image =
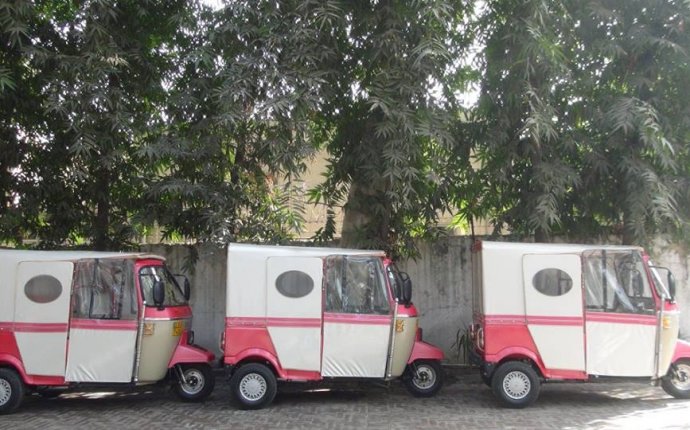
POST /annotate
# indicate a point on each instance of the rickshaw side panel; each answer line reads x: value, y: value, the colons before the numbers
x: 98, y: 347
x: 620, y: 344
x: 368, y: 331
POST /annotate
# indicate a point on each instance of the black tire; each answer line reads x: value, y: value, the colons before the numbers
x: 516, y: 384
x: 677, y: 383
x: 11, y: 391
x: 199, y: 382
x: 253, y: 386
x: 423, y: 378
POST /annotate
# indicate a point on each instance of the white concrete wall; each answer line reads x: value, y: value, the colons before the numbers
x: 442, y: 288
x: 207, y: 280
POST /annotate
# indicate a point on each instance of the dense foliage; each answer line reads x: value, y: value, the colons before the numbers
x: 118, y: 118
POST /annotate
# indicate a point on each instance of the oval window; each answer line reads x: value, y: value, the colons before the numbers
x: 552, y: 282
x: 43, y: 289
x: 294, y: 284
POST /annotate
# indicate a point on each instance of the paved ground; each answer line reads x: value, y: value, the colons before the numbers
x: 463, y: 403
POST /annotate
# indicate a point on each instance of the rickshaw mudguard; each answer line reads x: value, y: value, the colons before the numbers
x: 262, y: 354
x: 12, y: 361
x: 682, y: 350
x: 516, y: 352
x: 9, y: 354
x: 424, y: 351
x: 185, y: 353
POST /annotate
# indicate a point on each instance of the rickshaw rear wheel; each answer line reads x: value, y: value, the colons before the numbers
x: 423, y: 378
x: 677, y: 381
x: 198, y: 384
x: 11, y: 391
x: 253, y: 386
x: 516, y: 384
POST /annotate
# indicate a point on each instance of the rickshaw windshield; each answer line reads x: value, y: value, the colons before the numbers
x: 173, y: 293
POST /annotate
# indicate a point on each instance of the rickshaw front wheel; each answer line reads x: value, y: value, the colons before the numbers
x: 423, y: 378
x: 198, y: 382
x: 677, y: 381
x: 11, y: 391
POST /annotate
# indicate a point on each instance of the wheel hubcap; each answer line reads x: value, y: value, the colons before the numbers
x: 194, y: 381
x: 5, y: 391
x: 253, y: 387
x: 424, y: 377
x: 516, y: 385
x: 681, y: 377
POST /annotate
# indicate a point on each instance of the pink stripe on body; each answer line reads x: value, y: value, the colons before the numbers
x: 89, y: 324
x: 34, y: 327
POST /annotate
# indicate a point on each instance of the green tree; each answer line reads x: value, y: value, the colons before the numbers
x: 239, y: 124
x: 632, y: 67
x: 93, y: 74
x: 525, y: 144
x: 388, y: 112
x: 582, y: 115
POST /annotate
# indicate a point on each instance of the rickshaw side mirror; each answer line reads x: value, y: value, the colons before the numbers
x: 186, y: 287
x: 406, y: 293
x: 671, y: 285
x: 158, y: 294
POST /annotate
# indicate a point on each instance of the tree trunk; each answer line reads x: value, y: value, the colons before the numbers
x: 102, y: 222
x: 362, y: 227
x: 628, y: 229
x: 541, y: 236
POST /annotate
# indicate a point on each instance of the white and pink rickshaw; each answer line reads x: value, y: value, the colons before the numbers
x: 77, y: 320
x: 320, y: 314
x: 550, y: 312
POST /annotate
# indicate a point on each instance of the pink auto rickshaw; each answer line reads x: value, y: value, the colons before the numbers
x: 320, y: 314
x: 558, y: 312
x: 76, y: 320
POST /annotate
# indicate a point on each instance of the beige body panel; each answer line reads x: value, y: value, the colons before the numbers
x: 158, y: 343
x: 404, y: 333
x: 670, y: 325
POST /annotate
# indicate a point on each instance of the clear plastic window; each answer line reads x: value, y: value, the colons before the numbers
x: 356, y: 285
x: 616, y: 281
x: 104, y: 289
x: 173, y: 293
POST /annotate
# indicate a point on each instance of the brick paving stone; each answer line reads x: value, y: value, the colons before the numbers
x: 464, y: 402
